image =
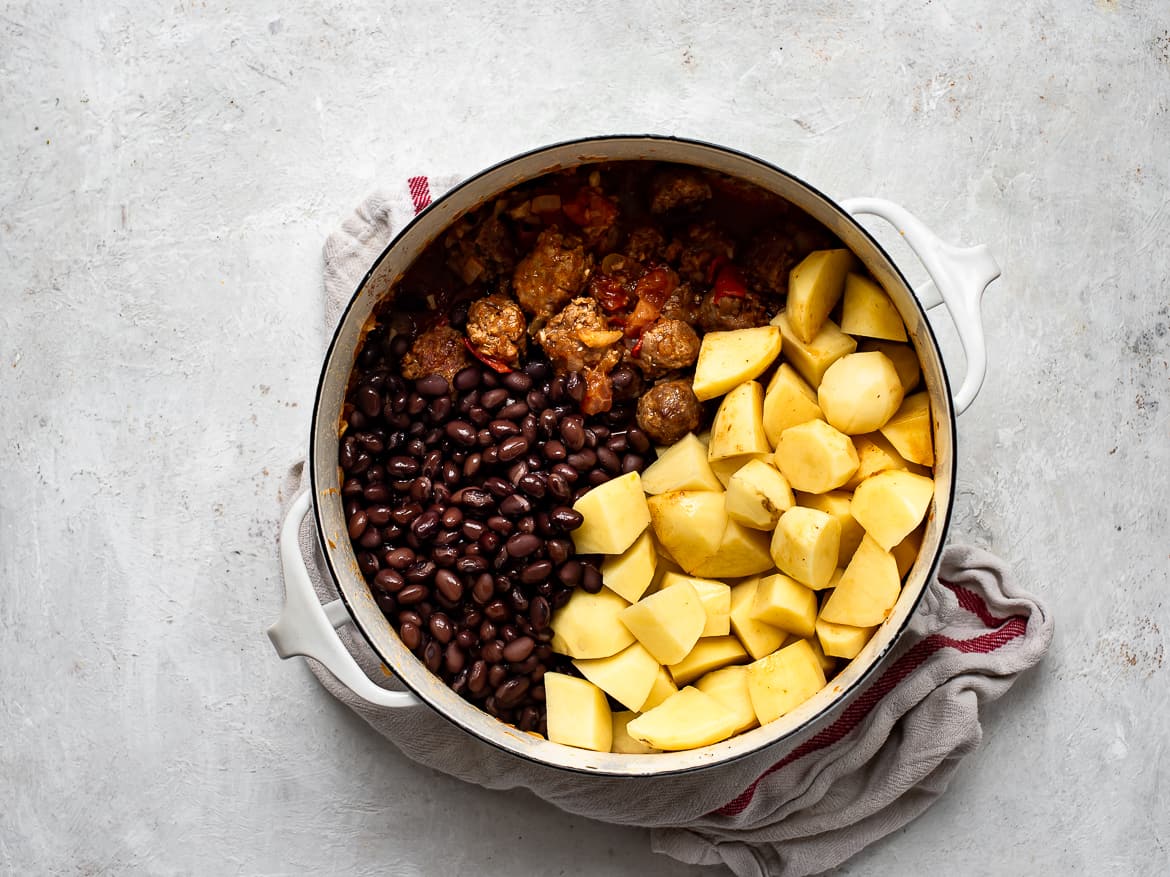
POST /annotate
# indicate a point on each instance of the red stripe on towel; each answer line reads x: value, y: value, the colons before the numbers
x: 420, y: 192
x: 1004, y: 631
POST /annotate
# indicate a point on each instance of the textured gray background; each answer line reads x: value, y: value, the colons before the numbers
x: 169, y: 172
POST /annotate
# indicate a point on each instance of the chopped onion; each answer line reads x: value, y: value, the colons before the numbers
x: 546, y: 203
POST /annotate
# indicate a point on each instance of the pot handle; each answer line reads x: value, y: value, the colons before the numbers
x: 306, y: 627
x: 958, y: 278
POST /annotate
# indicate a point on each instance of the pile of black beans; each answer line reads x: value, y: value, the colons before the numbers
x: 458, y: 497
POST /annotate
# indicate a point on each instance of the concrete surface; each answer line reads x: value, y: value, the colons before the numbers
x: 169, y: 172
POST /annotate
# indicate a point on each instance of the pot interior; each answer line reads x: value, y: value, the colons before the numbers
x: 340, y: 359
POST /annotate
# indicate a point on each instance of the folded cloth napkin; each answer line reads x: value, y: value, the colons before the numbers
x: 798, y: 808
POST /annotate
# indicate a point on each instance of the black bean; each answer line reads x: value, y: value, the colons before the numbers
x: 432, y: 462
x: 357, y: 524
x: 537, y: 370
x: 466, y: 639
x: 597, y: 477
x: 487, y: 631
x: 489, y: 541
x: 558, y: 485
x: 433, y: 656
x: 402, y: 467
x: 570, y: 573
x: 483, y: 589
x: 352, y: 488
x: 473, y: 497
x: 583, y: 460
x: 591, y: 439
x: 412, y: 594
x: 548, y: 421
x: 410, y: 635
x: 467, y: 379
x: 575, y: 386
x: 469, y: 565
x: 369, y: 400
x: 452, y: 518
x: 609, y: 461
x: 491, y: 456
x: 409, y: 616
x: 376, y: 492
x: 523, y: 544
x: 432, y: 385
x: 479, y: 417
x: 497, y: 486
x: 501, y: 525
x: 533, y: 484
x: 483, y: 438
x: 515, y: 505
x: 371, y: 538
x: 368, y: 563
x: 536, y: 400
x: 461, y: 432
x: 539, y: 612
x: 573, y: 432
x: 493, y: 398
x: 639, y: 441
x: 472, y: 464
x: 449, y: 585
x: 503, y: 428
x: 421, y: 489
x: 440, y: 410
x: 632, y: 463
x: 590, y: 578
x: 425, y: 526
x: 512, y: 692
x: 514, y: 411
x: 388, y: 580
x: 517, y: 382
x: 511, y: 448
x: 535, y: 572
x: 496, y: 677
x: 450, y: 473
x: 422, y: 571
x: 473, y: 529
x: 399, y: 558
x: 371, y: 442
x: 560, y: 598
x: 416, y: 404
x: 441, y: 628
x: 453, y: 660
x: 477, y: 678
x: 497, y: 611
x: 445, y: 555
x: 529, y: 718
x: 565, y: 518
x: 528, y: 429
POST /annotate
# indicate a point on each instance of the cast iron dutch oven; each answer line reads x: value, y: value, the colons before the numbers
x: 959, y: 277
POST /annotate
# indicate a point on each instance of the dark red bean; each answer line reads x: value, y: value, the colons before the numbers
x: 522, y: 544
x: 570, y: 573
x: 573, y: 432
x: 461, y: 432
x: 503, y: 428
x: 501, y: 525
x: 533, y: 484
x: 432, y: 385
x: 487, y: 631
x: 425, y: 526
x: 515, y: 505
x: 493, y: 398
x: 466, y: 639
x: 441, y: 628
x: 388, y: 580
x: 590, y: 578
x: 466, y: 379
x: 357, y: 524
x: 514, y: 411
x: 453, y: 659
x: 567, y: 472
x: 369, y: 400
x: 472, y: 497
x: 539, y: 613
x: 368, y: 563
x: 450, y: 473
x: 535, y: 572
x: 491, y: 455
x: 597, y: 477
x: 493, y: 651
x: 412, y: 594
x: 419, y: 572
x: 433, y: 656
x: 477, y: 678
x: 517, y: 382
x: 445, y: 555
x: 410, y: 635
x: 472, y: 464
x: 409, y: 616
x: 470, y: 565
x: 497, y: 487
x: 484, y: 589
x: 518, y: 470
x: 511, y: 448
x: 496, y: 610
x: 421, y: 489
x: 526, y: 524
x: 489, y: 542
x: 558, y: 486
x: 449, y: 585
x: 473, y: 529
x: 399, y: 558
x: 512, y: 692
x: 565, y: 518
x: 452, y: 518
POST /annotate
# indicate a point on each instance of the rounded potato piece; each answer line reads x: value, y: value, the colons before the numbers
x: 860, y: 392
x: 686, y: 720
x: 890, y: 504
x: 814, y: 457
x: 727, y: 359
x: 805, y: 546
x: 588, y: 626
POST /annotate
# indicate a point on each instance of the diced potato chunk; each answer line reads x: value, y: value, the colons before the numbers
x: 738, y: 427
x: 814, y: 457
x: 785, y: 603
x: 890, y: 504
x: 811, y: 359
x: 783, y: 680
x: 629, y: 574
x: 906, y: 551
x: 867, y: 310
x: 868, y: 590
x: 757, y: 494
x: 615, y: 515
x: 622, y: 741
x: 663, y: 688
x: 903, y: 357
x: 689, y: 524
x: 842, y: 640
x: 588, y: 626
x: 627, y: 677
x: 686, y: 720
x: 806, y: 544
x: 910, y: 430
x: 727, y: 359
x: 839, y: 504
x: 709, y: 653
x: 729, y: 686
x: 788, y: 400
x: 682, y: 466
x: 578, y: 713
x: 874, y: 454
x: 741, y: 552
x: 724, y: 469
x: 757, y: 637
x: 828, y: 663
x: 668, y: 623
x: 860, y: 392
x: 716, y: 600
x: 814, y: 288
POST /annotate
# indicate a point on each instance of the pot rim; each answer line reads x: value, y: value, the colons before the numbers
x: 846, y: 695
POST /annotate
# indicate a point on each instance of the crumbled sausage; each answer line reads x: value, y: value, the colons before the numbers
x: 667, y: 345
x: 669, y: 411
x: 678, y: 187
x: 683, y: 304
x: 551, y: 274
x: 731, y: 312
x: 496, y: 329
x: 646, y: 244
x: 701, y: 244
x: 437, y: 351
x: 580, y: 336
x: 769, y: 258
x: 484, y: 251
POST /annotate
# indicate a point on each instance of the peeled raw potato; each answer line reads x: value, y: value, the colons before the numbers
x: 788, y: 400
x: 682, y: 466
x: 874, y: 454
x: 622, y: 741
x: 903, y: 357
x: 783, y: 680
x: 663, y: 688
x: 910, y: 431
x: 827, y: 663
x: 890, y: 504
x: 686, y: 720
x: 785, y: 603
x: 842, y: 640
x: 757, y: 494
x: 860, y: 392
x: 727, y: 359
x: 715, y: 597
x: 629, y: 574
x: 814, y: 288
x: 724, y: 469
x: 689, y: 524
x: 615, y: 515
x: 627, y: 677
x: 757, y: 637
x: 814, y: 457
x: 805, y: 546
x: 709, y: 653
x: 837, y: 503
x: 741, y: 552
x: 668, y: 623
x: 867, y: 310
x: 811, y: 359
x: 729, y: 686
x: 906, y: 551
x: 588, y: 626
x: 738, y: 427
x: 867, y: 591
x: 578, y: 713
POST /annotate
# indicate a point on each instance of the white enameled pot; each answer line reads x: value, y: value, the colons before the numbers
x: 959, y: 277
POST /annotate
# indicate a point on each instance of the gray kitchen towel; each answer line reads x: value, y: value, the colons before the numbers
x: 798, y: 808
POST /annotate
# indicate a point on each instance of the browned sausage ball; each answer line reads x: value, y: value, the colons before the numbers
x: 669, y: 411
x: 496, y: 327
x: 551, y: 274
x: 437, y: 351
x: 667, y: 345
x: 731, y: 313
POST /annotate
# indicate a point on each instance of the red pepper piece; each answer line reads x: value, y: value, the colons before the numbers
x: 729, y: 283
x: 490, y: 361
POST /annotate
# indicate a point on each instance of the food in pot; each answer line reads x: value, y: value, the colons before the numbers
x: 517, y: 525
